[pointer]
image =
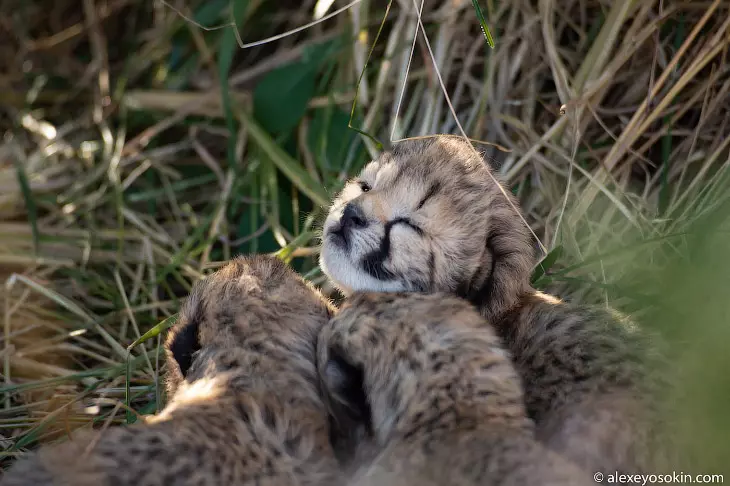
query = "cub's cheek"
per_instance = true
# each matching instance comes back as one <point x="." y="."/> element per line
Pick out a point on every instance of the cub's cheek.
<point x="407" y="245"/>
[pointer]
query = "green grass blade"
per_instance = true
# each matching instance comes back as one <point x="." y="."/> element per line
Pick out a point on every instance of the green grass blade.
<point x="127" y="400"/>
<point x="546" y="263"/>
<point x="226" y="52"/>
<point x="483" y="24"/>
<point x="301" y="240"/>
<point x="362" y="74"/>
<point x="29" y="201"/>
<point x="155" y="331"/>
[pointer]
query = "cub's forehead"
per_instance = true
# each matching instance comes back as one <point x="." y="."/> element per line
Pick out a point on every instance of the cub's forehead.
<point x="442" y="157"/>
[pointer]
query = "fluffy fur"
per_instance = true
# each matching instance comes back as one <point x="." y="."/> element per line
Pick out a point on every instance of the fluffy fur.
<point x="245" y="407"/>
<point x="435" y="395"/>
<point x="429" y="217"/>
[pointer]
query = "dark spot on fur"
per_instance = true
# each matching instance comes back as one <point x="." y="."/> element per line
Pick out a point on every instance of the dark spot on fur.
<point x="339" y="443"/>
<point x="554" y="322"/>
<point x="291" y="444"/>
<point x="372" y="339"/>
<point x="170" y="478"/>
<point x="225" y="317"/>
<point x="243" y="412"/>
<point x="418" y="346"/>
<point x="256" y="346"/>
<point x="268" y="416"/>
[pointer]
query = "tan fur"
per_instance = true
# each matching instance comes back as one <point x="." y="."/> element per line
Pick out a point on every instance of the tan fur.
<point x="590" y="386"/>
<point x="245" y="411"/>
<point x="442" y="402"/>
<point x="583" y="368"/>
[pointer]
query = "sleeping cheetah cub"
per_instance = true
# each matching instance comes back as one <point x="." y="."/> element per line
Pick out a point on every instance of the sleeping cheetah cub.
<point x="244" y="402"/>
<point x="428" y="217"/>
<point x="435" y="394"/>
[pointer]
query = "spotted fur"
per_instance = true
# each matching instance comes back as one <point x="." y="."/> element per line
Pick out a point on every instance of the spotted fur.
<point x="435" y="395"/>
<point x="429" y="217"/>
<point x="244" y="406"/>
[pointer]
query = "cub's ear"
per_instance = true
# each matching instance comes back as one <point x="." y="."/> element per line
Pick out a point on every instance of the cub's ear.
<point x="350" y="414"/>
<point x="183" y="339"/>
<point x="182" y="342"/>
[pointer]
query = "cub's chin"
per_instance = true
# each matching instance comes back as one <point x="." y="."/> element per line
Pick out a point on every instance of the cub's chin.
<point x="345" y="273"/>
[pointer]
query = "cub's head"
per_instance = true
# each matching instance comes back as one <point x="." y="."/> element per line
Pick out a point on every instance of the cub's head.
<point x="428" y="216"/>
<point x="400" y="366"/>
<point x="252" y="305"/>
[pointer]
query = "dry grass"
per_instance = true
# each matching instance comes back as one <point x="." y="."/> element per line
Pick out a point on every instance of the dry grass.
<point x="128" y="169"/>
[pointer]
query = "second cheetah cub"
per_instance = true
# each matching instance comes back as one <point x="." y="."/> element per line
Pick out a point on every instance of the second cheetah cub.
<point x="434" y="394"/>
<point x="429" y="217"/>
<point x="244" y="405"/>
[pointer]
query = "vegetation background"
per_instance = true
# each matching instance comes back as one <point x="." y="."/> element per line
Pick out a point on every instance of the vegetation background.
<point x="142" y="148"/>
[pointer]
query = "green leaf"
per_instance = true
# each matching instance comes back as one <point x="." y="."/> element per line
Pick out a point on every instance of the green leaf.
<point x="546" y="263"/>
<point x="329" y="138"/>
<point x="239" y="8"/>
<point x="285" y="163"/>
<point x="280" y="98"/>
<point x="210" y="12"/>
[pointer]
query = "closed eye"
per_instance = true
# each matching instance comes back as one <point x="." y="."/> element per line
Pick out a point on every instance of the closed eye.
<point x="408" y="223"/>
<point x="435" y="187"/>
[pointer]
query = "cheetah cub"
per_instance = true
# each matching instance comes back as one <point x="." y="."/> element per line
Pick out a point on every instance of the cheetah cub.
<point x="434" y="394"/>
<point x="244" y="404"/>
<point x="428" y="217"/>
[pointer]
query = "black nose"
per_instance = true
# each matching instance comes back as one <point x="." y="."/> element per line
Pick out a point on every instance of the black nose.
<point x="352" y="217"/>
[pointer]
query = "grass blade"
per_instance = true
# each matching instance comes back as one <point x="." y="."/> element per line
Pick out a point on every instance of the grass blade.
<point x="377" y="142"/>
<point x="483" y="24"/>
<point x="155" y="331"/>
<point x="29" y="201"/>
<point x="546" y="263"/>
